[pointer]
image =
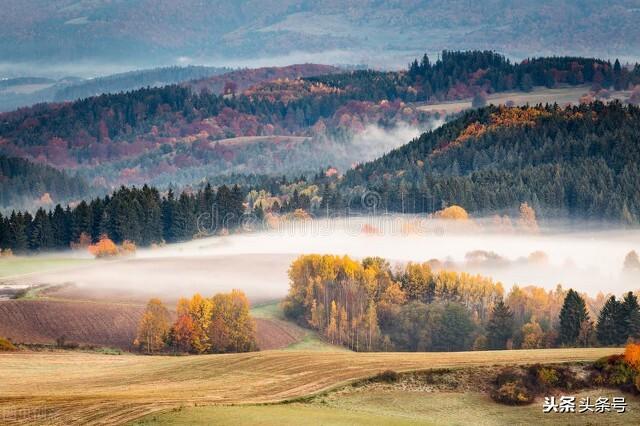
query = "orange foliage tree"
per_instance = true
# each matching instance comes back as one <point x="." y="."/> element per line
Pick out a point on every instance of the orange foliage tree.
<point x="452" y="213"/>
<point x="103" y="248"/>
<point x="632" y="355"/>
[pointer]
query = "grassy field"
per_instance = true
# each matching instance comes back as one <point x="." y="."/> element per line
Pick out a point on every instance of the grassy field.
<point x="16" y="266"/>
<point x="394" y="408"/>
<point x="307" y="340"/>
<point x="78" y="388"/>
<point x="543" y="95"/>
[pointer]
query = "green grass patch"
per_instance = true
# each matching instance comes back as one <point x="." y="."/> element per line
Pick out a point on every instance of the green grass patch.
<point x="25" y="265"/>
<point x="268" y="310"/>
<point x="310" y="340"/>
<point x="394" y="407"/>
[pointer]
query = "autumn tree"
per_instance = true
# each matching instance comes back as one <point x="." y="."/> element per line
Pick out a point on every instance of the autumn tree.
<point x="103" y="248"/>
<point x="528" y="219"/>
<point x="231" y="329"/>
<point x="200" y="310"/>
<point x="182" y="331"/>
<point x="632" y="262"/>
<point x="532" y="336"/>
<point x="153" y="327"/>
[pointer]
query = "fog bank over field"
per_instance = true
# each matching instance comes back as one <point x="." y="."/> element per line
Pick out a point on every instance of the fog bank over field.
<point x="258" y="262"/>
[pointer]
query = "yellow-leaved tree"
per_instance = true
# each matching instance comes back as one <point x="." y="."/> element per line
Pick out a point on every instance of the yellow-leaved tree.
<point x="153" y="327"/>
<point x="200" y="310"/>
<point x="231" y="329"/>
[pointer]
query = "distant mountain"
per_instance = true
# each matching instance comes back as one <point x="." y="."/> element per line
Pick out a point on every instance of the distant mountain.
<point x="150" y="33"/>
<point x="133" y="80"/>
<point x="23" y="183"/>
<point x="26" y="91"/>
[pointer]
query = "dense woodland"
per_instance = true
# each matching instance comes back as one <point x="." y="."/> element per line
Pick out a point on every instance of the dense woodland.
<point x="369" y="306"/>
<point x="457" y="75"/>
<point x="137" y="215"/>
<point x="580" y="161"/>
<point x="22" y="181"/>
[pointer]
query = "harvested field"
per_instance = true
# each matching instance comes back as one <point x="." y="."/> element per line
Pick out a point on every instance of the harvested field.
<point x="275" y="334"/>
<point x="106" y="324"/>
<point x="78" y="388"/>
<point x="87" y="323"/>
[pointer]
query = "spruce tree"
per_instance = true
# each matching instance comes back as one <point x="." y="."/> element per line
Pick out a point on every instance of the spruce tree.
<point x="572" y="314"/>
<point x="608" y="327"/>
<point x="500" y="326"/>
<point x="630" y="324"/>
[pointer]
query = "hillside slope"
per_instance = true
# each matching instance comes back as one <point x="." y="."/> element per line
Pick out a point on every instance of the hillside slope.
<point x="25" y="183"/>
<point x="581" y="161"/>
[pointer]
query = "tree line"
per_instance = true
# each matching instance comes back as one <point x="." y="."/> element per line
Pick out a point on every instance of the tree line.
<point x="369" y="306"/>
<point x="219" y="324"/>
<point x="138" y="215"/>
<point x="461" y="74"/>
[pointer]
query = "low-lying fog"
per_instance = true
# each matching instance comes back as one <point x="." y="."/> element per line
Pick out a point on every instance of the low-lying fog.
<point x="257" y="262"/>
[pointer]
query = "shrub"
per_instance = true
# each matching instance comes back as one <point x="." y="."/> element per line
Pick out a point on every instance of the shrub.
<point x="6" y="345"/>
<point x="6" y="253"/>
<point x="512" y="393"/>
<point x="104" y="248"/>
<point x="614" y="371"/>
<point x="387" y="376"/>
<point x="548" y="377"/>
<point x="452" y="213"/>
<point x="128" y="248"/>
<point x="632" y="355"/>
<point x="84" y="241"/>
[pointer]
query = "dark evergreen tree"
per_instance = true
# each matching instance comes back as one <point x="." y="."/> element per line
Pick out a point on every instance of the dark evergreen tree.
<point x="500" y="326"/>
<point x="608" y="328"/>
<point x="572" y="315"/>
<point x="630" y="324"/>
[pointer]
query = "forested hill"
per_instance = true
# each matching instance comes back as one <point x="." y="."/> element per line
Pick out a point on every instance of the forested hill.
<point x="582" y="161"/>
<point x="23" y="183"/>
<point x="462" y="74"/>
<point x="273" y="120"/>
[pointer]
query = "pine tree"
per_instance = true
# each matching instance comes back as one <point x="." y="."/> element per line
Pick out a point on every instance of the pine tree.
<point x="630" y="324"/>
<point x="572" y="314"/>
<point x="500" y="326"/>
<point x="608" y="328"/>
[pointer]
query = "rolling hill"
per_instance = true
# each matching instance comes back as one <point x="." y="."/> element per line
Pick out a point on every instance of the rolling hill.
<point x="579" y="161"/>
<point x="114" y="389"/>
